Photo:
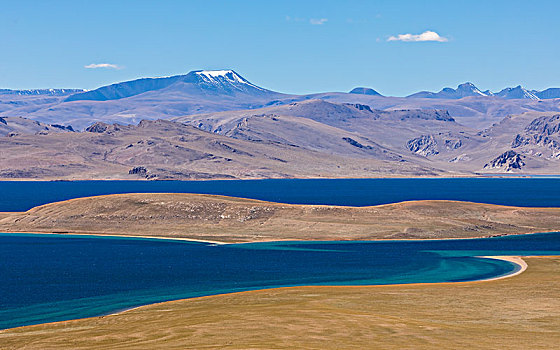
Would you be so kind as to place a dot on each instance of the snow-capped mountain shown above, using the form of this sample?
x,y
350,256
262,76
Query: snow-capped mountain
x,y
227,81
517,92
463,90
469,89
48,92
205,82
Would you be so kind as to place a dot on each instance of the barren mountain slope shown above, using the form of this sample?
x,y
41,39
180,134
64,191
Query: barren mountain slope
x,y
431,138
164,150
473,111
13,126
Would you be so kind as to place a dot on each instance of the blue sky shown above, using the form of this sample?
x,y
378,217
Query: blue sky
x,y
288,46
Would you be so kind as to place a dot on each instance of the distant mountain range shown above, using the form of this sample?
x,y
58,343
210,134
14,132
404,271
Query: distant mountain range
x,y
39,92
469,89
313,138
217,124
229,82
206,91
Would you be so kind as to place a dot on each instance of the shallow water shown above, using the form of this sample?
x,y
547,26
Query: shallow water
x,y
48,278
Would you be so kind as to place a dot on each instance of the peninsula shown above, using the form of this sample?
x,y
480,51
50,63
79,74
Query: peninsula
x,y
232,220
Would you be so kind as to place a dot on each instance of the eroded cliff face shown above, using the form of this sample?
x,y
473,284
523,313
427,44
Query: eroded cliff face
x,y
507,161
430,145
424,145
543,131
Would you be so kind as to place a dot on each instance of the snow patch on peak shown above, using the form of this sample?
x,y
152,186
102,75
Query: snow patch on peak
x,y
518,92
218,77
216,73
469,89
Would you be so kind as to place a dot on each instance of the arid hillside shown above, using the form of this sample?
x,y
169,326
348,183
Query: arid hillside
x,y
228,219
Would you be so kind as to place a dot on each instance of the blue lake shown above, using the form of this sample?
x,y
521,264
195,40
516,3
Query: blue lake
x,y
531,192
48,278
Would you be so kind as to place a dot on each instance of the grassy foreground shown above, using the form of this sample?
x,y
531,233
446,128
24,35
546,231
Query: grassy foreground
x,y
228,219
521,312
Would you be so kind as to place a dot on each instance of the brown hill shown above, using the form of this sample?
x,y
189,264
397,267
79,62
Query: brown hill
x,y
226,219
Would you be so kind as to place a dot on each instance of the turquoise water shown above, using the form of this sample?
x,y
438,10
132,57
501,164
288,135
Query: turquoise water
x,y
48,278
530,192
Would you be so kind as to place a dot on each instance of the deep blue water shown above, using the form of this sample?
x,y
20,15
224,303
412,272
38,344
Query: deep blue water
x,y
531,192
47,278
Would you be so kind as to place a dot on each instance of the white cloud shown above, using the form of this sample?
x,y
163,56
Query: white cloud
x,y
426,36
102,65
295,19
318,21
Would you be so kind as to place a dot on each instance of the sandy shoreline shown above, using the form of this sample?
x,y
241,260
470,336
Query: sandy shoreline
x,y
120,236
516,260
184,239
512,259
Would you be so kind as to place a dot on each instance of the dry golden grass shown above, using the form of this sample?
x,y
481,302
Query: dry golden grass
x,y
227,219
521,312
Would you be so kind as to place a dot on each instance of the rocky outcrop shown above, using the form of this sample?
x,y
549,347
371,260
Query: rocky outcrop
x,y
460,158
543,131
424,145
98,127
545,125
142,172
356,143
360,107
231,149
452,144
63,127
507,161
424,114
139,170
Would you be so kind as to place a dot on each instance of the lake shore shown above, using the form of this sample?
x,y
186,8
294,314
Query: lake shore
x,y
516,260
510,309
249,178
222,220
180,239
